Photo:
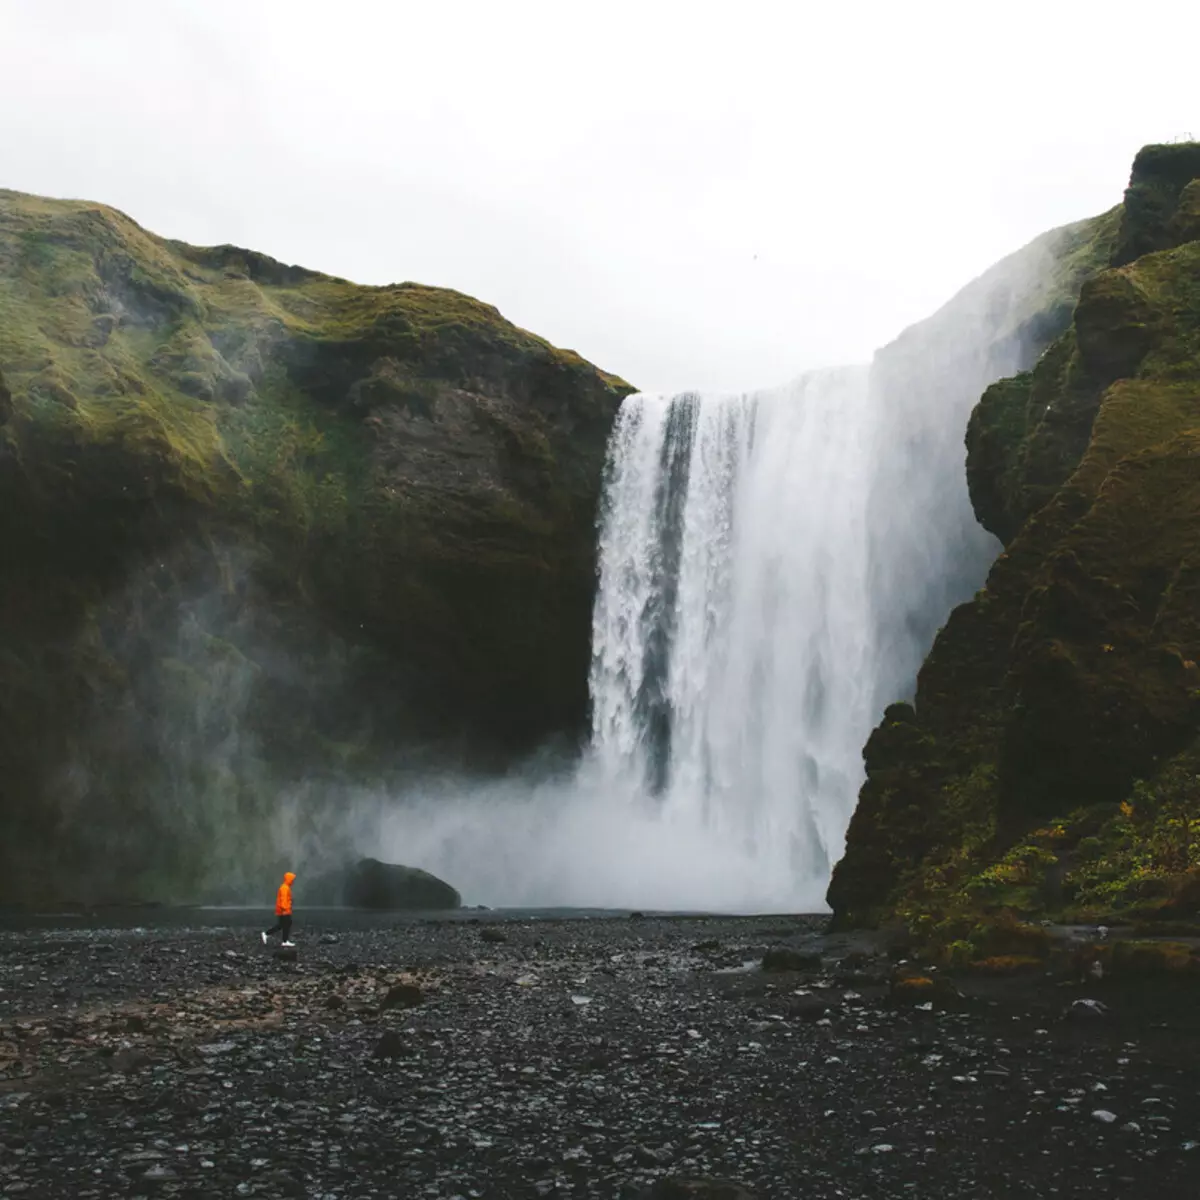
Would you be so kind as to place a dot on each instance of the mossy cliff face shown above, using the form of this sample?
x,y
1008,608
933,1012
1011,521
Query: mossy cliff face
x,y
1051,761
394,479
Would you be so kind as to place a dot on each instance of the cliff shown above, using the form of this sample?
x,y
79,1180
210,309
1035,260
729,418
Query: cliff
x,y
1048,763
251,514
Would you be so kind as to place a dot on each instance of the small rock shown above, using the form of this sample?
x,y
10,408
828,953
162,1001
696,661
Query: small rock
x,y
329,939
655,1158
391,1045
403,995
808,1008
494,936
334,1001
1086,1010
1104,1116
784,958
128,1061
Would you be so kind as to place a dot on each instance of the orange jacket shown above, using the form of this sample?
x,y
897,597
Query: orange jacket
x,y
283,898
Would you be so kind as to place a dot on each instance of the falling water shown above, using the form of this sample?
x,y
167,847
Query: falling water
x,y
732,678
730,684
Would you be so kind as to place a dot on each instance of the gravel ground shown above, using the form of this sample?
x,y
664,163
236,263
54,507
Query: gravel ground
x,y
590,1058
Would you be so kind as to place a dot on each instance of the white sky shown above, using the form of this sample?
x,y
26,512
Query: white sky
x,y
691,195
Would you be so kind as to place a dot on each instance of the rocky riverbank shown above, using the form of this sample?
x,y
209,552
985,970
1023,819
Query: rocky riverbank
x,y
512,1057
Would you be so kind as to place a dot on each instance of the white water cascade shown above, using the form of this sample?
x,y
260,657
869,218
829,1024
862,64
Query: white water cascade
x,y
735,675
731,682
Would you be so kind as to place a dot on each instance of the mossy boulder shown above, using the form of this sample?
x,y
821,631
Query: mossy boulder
x,y
1159,202
1048,764
395,479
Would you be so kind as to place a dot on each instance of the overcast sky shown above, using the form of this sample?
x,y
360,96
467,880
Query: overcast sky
x,y
691,195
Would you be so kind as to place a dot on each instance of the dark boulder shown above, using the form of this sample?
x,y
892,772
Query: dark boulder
x,y
391,1045
370,883
403,995
784,958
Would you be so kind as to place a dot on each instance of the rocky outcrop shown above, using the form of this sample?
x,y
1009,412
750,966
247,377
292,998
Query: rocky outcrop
x,y
259,524
1048,763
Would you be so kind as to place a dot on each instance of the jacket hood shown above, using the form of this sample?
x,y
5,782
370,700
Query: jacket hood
x,y
289,877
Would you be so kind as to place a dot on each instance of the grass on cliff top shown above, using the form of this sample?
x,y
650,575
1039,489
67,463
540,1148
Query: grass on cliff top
x,y
111,335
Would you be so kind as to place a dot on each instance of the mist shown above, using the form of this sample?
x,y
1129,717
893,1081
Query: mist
x,y
691,199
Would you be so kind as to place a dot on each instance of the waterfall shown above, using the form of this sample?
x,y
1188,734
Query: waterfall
x,y
731,682
773,568
735,671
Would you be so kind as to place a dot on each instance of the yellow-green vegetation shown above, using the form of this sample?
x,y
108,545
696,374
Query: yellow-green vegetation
x,y
396,467
1050,766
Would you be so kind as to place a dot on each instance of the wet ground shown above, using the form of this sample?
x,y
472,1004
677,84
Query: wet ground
x,y
170,1054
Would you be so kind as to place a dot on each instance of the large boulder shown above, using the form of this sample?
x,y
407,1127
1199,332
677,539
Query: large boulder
x,y
370,883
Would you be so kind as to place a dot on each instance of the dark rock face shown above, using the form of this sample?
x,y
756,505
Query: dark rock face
x,y
357,518
1048,763
372,884
1154,218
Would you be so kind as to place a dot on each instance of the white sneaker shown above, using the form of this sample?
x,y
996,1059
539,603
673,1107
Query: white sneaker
x,y
264,938
288,943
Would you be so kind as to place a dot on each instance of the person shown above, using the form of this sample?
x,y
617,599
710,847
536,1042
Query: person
x,y
283,911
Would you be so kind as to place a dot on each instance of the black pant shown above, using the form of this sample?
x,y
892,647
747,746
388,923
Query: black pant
x,y
284,926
